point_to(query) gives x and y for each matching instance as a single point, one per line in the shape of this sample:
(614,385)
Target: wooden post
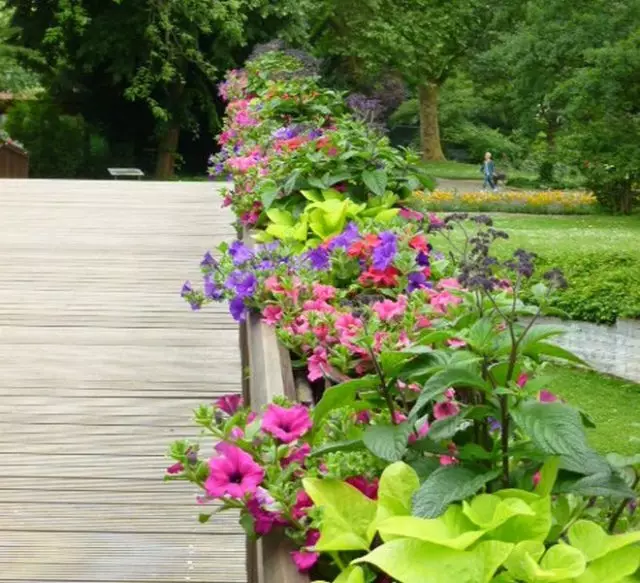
(270,375)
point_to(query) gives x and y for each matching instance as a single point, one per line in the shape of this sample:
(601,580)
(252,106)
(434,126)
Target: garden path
(101,363)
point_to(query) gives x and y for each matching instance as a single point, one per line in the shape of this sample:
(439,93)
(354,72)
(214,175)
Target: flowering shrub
(552,202)
(433,450)
(285,134)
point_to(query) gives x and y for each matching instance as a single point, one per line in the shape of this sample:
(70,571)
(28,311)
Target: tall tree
(15,77)
(165,53)
(423,40)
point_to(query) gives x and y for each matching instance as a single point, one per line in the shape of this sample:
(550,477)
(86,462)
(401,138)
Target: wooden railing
(14,162)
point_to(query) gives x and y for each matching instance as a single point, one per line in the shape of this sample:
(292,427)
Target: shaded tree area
(144,73)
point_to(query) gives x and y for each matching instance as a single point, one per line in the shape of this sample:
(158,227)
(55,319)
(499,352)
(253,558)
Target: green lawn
(613,404)
(460,171)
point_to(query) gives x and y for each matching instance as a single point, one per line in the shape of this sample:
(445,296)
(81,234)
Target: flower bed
(426,446)
(547,202)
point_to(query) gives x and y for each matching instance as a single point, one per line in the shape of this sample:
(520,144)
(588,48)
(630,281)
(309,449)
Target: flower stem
(618,513)
(504,438)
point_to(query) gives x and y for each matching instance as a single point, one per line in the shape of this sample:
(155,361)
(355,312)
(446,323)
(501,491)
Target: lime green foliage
(614,405)
(325,213)
(502,537)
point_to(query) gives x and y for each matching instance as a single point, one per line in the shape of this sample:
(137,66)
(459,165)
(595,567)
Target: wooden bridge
(101,363)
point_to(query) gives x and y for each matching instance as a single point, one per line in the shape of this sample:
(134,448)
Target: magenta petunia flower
(305,560)
(317,363)
(422,432)
(286,425)
(297,455)
(233,473)
(229,403)
(302,504)
(175,468)
(545,396)
(445,409)
(264,520)
(522,380)
(368,488)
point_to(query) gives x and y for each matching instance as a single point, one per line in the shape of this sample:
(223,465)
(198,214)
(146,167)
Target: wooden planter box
(267,373)
(14,162)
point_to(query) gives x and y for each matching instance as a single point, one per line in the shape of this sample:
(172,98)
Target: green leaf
(538,333)
(559,563)
(481,336)
(620,461)
(548,476)
(599,484)
(414,561)
(204,518)
(312,195)
(525,527)
(346,514)
(398,483)
(386,215)
(280,217)
(248,524)
(440,382)
(556,429)
(335,178)
(388,442)
(614,567)
(546,349)
(447,428)
(393,362)
(341,395)
(375,181)
(268,193)
(489,512)
(446,485)
(594,542)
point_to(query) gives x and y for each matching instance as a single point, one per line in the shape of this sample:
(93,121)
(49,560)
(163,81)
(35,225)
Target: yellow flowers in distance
(551,201)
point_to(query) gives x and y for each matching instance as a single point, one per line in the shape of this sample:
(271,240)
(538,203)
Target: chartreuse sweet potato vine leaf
(531,563)
(488,512)
(353,574)
(397,485)
(523,526)
(594,542)
(618,566)
(415,561)
(346,515)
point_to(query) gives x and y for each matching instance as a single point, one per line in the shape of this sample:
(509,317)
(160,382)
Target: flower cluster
(286,134)
(5,138)
(553,202)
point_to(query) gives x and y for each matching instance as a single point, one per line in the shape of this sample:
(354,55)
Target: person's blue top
(488,167)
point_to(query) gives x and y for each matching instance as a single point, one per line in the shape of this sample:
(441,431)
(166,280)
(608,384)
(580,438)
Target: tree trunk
(429,127)
(167,150)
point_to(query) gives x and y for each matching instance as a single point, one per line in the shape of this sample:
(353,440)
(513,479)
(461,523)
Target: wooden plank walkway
(101,363)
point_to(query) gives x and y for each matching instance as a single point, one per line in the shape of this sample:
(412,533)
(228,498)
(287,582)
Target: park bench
(116,172)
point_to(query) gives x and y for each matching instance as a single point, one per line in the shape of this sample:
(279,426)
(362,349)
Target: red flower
(419,243)
(387,277)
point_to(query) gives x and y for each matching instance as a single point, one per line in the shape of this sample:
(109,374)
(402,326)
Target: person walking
(488,170)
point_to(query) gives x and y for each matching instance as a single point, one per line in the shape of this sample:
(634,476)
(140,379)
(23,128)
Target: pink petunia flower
(545,396)
(300,325)
(536,479)
(273,285)
(348,327)
(305,560)
(441,301)
(449,460)
(236,433)
(368,488)
(450,394)
(229,403)
(272,314)
(318,306)
(449,283)
(445,409)
(423,322)
(388,309)
(435,220)
(263,520)
(175,468)
(233,473)
(456,343)
(302,504)
(323,292)
(363,417)
(422,432)
(522,380)
(410,215)
(286,424)
(317,363)
(297,455)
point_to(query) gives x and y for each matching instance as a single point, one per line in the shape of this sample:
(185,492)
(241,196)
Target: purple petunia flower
(315,134)
(417,280)
(422,259)
(239,253)
(211,290)
(208,263)
(344,240)
(266,265)
(244,284)
(238,309)
(494,424)
(385,252)
(285,133)
(319,258)
(186,289)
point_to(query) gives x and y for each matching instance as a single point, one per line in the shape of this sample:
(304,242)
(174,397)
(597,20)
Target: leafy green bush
(603,286)
(56,142)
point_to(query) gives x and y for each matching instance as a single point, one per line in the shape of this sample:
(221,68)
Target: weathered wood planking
(101,363)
